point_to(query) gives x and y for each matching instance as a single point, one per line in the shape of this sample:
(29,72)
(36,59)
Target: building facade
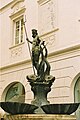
(58,23)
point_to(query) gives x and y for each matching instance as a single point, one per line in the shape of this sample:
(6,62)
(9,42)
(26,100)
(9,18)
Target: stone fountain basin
(60,108)
(17,108)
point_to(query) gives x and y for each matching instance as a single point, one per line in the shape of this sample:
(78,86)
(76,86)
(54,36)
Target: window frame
(14,30)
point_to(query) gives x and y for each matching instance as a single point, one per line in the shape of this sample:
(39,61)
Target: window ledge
(15,46)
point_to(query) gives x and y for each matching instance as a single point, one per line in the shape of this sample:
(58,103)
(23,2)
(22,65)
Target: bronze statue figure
(35,48)
(39,56)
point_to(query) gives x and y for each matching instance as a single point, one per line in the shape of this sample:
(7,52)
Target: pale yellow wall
(64,67)
(5,36)
(68,22)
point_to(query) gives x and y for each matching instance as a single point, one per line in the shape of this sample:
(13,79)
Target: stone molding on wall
(49,37)
(17,9)
(5,6)
(47,33)
(16,50)
(42,1)
(12,3)
(16,2)
(47,15)
(68,50)
(19,12)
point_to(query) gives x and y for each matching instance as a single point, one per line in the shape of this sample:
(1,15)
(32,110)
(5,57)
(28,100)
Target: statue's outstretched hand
(28,40)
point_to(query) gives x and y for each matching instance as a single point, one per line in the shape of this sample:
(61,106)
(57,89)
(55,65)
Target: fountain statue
(41,82)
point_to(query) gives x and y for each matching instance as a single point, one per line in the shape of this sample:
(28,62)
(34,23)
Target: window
(15,93)
(18,31)
(77,96)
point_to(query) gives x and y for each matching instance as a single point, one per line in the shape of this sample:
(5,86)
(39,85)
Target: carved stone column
(40,90)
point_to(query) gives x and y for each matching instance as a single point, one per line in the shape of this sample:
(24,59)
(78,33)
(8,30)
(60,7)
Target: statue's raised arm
(28,40)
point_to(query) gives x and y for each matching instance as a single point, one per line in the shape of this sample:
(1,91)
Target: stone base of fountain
(40,89)
(39,117)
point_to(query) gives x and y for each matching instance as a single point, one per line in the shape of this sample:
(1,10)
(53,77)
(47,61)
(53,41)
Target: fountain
(41,82)
(18,108)
(66,108)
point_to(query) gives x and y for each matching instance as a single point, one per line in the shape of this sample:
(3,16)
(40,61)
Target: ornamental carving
(49,40)
(47,15)
(17,5)
(16,52)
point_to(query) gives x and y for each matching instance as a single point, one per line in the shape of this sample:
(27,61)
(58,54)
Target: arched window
(16,93)
(77,96)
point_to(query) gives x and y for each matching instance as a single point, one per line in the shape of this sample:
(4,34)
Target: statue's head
(34,33)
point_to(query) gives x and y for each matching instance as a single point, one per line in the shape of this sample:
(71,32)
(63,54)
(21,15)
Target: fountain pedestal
(40,90)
